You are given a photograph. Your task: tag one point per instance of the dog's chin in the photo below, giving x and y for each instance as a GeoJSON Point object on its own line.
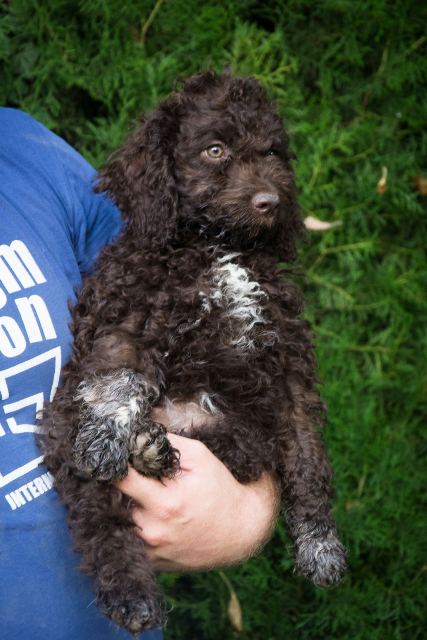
{"type": "Point", "coordinates": [254, 225]}
{"type": "Point", "coordinates": [239, 229]}
{"type": "Point", "coordinates": [267, 220]}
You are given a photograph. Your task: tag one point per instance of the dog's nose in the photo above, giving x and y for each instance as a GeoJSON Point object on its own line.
{"type": "Point", "coordinates": [265, 202]}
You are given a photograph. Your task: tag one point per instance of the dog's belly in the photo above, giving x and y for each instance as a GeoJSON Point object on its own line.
{"type": "Point", "coordinates": [184, 416]}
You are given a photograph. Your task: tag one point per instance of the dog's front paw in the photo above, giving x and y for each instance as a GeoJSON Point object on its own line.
{"type": "Point", "coordinates": [133, 611]}
{"type": "Point", "coordinates": [320, 556]}
{"type": "Point", "coordinates": [151, 453]}
{"type": "Point", "coordinates": [101, 450]}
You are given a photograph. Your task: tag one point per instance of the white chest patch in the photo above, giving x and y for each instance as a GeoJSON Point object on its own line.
{"type": "Point", "coordinates": [239, 296]}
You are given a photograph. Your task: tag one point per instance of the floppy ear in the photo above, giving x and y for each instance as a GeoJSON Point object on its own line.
{"type": "Point", "coordinates": [139, 177]}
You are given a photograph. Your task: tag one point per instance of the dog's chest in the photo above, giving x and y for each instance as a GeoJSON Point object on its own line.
{"type": "Point", "coordinates": [215, 343]}
{"type": "Point", "coordinates": [233, 306]}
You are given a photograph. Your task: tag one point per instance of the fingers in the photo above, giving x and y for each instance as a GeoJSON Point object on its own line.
{"type": "Point", "coordinates": [148, 492]}
{"type": "Point", "coordinates": [159, 495]}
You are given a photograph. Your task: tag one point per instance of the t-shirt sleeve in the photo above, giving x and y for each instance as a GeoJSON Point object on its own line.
{"type": "Point", "coordinates": [58, 171]}
{"type": "Point", "coordinates": [95, 220]}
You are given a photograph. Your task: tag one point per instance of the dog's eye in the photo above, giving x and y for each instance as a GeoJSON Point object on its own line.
{"type": "Point", "coordinates": [272, 152]}
{"type": "Point", "coordinates": [215, 151]}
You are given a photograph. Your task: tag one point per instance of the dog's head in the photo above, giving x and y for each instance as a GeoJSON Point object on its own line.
{"type": "Point", "coordinates": [212, 159]}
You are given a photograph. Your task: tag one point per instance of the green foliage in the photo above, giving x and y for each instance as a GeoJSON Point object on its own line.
{"type": "Point", "coordinates": [348, 78]}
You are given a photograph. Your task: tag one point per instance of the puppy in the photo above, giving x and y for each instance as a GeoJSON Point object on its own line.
{"type": "Point", "coordinates": [187, 325]}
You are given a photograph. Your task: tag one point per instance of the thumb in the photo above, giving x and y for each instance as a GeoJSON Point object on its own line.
{"type": "Point", "coordinates": [193, 452]}
{"type": "Point", "coordinates": [147, 492]}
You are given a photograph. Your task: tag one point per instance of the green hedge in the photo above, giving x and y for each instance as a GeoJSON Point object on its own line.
{"type": "Point", "coordinates": [349, 78]}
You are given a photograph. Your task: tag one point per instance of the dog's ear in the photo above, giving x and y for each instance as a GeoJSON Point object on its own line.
{"type": "Point", "coordinates": [139, 177]}
{"type": "Point", "coordinates": [282, 241]}
{"type": "Point", "coordinates": [292, 228]}
{"type": "Point", "coordinates": [286, 244]}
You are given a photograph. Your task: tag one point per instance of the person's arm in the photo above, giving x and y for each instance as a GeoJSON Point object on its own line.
{"type": "Point", "coordinates": [203, 517]}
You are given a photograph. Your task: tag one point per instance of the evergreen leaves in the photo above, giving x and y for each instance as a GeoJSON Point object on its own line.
{"type": "Point", "coordinates": [349, 78]}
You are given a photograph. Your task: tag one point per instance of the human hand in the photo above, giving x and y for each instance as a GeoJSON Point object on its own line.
{"type": "Point", "coordinates": [202, 517]}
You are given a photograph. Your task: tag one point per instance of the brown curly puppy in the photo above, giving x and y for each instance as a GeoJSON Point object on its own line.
{"type": "Point", "coordinates": [188, 321]}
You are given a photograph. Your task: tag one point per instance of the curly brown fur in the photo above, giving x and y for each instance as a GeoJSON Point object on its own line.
{"type": "Point", "coordinates": [187, 321]}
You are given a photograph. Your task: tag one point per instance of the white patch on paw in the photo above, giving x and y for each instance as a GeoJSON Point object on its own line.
{"type": "Point", "coordinates": [119, 396]}
{"type": "Point", "coordinates": [124, 414]}
{"type": "Point", "coordinates": [322, 559]}
{"type": "Point", "coordinates": [140, 441]}
{"type": "Point", "coordinates": [150, 453]}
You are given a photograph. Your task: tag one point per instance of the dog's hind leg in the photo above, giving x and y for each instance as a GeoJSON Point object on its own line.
{"type": "Point", "coordinates": [103, 533]}
{"type": "Point", "coordinates": [305, 479]}
{"type": "Point", "coordinates": [126, 589]}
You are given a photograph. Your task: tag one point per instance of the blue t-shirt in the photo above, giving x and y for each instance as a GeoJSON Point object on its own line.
{"type": "Point", "coordinates": [52, 227]}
